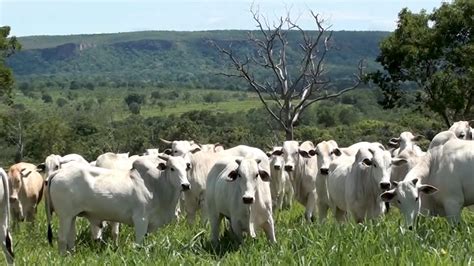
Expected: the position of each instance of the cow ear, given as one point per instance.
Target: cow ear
(269, 154)
(427, 189)
(196, 150)
(304, 154)
(392, 144)
(277, 152)
(161, 166)
(264, 175)
(367, 162)
(388, 196)
(40, 167)
(414, 181)
(238, 161)
(218, 147)
(337, 152)
(395, 141)
(394, 183)
(232, 176)
(399, 161)
(167, 152)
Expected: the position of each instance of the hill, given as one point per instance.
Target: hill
(166, 57)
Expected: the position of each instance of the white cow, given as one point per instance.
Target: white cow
(463, 129)
(406, 141)
(153, 152)
(194, 199)
(237, 188)
(201, 164)
(145, 197)
(302, 168)
(448, 167)
(54, 162)
(326, 152)
(355, 183)
(280, 183)
(117, 161)
(5, 237)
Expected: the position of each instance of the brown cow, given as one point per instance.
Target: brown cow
(26, 190)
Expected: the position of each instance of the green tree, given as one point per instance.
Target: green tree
(8, 46)
(435, 53)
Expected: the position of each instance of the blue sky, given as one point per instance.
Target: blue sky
(63, 17)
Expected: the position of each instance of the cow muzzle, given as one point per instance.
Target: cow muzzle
(247, 200)
(13, 198)
(289, 168)
(185, 187)
(277, 167)
(324, 171)
(385, 185)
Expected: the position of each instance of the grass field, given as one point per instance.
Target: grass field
(376, 243)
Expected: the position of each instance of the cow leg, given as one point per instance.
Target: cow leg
(71, 238)
(96, 229)
(452, 209)
(310, 206)
(237, 229)
(339, 214)
(63, 233)
(214, 222)
(322, 210)
(289, 196)
(141, 228)
(203, 205)
(115, 229)
(269, 229)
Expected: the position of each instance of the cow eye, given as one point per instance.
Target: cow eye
(175, 151)
(416, 199)
(398, 202)
(375, 165)
(256, 175)
(172, 169)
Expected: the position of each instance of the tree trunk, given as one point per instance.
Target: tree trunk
(289, 132)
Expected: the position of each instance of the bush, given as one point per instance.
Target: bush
(61, 102)
(46, 98)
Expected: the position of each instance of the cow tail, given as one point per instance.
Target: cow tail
(6, 210)
(49, 207)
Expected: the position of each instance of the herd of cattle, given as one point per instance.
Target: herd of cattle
(243, 184)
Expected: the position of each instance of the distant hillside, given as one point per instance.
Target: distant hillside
(165, 56)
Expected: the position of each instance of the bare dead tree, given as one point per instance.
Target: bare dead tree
(286, 96)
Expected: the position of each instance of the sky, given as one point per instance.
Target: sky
(64, 17)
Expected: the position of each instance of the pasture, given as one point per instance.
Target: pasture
(383, 241)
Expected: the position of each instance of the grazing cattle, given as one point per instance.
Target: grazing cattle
(448, 167)
(280, 183)
(463, 129)
(217, 147)
(237, 188)
(355, 183)
(5, 237)
(302, 168)
(406, 141)
(26, 191)
(145, 196)
(326, 151)
(54, 162)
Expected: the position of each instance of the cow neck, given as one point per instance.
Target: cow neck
(366, 187)
(164, 191)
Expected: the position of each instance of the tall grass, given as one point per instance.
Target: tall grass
(379, 242)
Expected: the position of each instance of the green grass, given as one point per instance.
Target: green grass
(375, 243)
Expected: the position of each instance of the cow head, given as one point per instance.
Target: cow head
(182, 148)
(463, 129)
(293, 152)
(406, 195)
(380, 163)
(246, 174)
(16, 176)
(52, 163)
(175, 169)
(277, 163)
(326, 151)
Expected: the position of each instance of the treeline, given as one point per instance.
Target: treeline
(34, 134)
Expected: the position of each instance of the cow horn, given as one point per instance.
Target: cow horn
(166, 141)
(164, 157)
